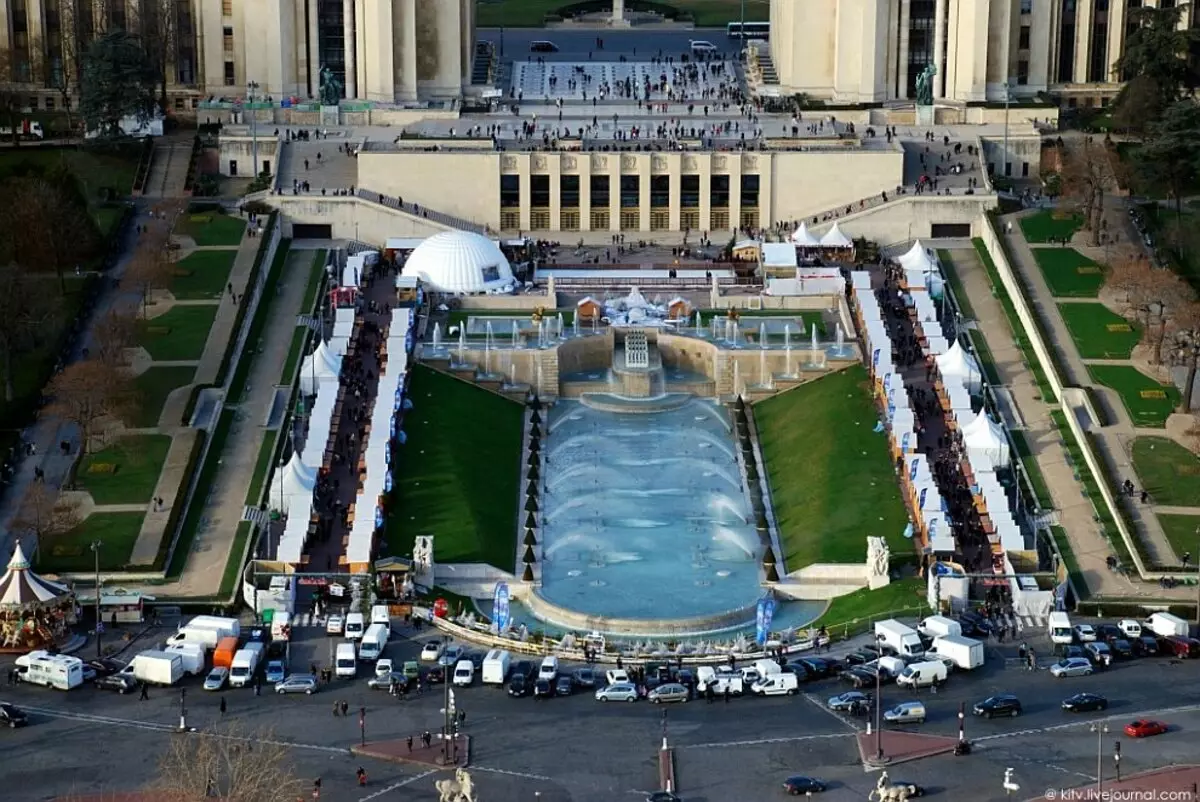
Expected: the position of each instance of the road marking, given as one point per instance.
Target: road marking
(763, 741)
(522, 774)
(401, 784)
(820, 706)
(1088, 722)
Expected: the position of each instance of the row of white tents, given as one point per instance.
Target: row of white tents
(833, 238)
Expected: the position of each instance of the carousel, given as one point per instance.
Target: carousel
(35, 613)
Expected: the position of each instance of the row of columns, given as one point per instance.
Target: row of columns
(381, 47)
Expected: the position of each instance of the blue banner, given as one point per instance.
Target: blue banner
(933, 522)
(908, 530)
(904, 441)
(500, 606)
(766, 611)
(875, 359)
(921, 500)
(912, 471)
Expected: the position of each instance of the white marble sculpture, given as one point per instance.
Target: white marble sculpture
(423, 559)
(460, 789)
(878, 558)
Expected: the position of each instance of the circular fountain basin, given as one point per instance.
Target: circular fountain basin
(570, 619)
(611, 402)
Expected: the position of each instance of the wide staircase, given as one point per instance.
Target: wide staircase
(766, 67)
(483, 69)
(168, 170)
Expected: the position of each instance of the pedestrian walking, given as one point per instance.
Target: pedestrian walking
(145, 692)
(224, 706)
(410, 743)
(362, 776)
(336, 708)
(257, 688)
(726, 693)
(345, 708)
(426, 738)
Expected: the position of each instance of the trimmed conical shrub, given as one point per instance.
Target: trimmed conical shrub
(527, 574)
(772, 573)
(530, 520)
(534, 472)
(769, 557)
(530, 538)
(531, 504)
(528, 558)
(535, 445)
(531, 489)
(535, 418)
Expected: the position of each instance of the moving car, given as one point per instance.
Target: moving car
(803, 785)
(1002, 704)
(621, 692)
(858, 676)
(906, 713)
(450, 656)
(121, 683)
(1085, 633)
(384, 666)
(701, 46)
(275, 671)
(1084, 703)
(384, 681)
(542, 46)
(334, 625)
(564, 685)
(298, 683)
(464, 673)
(1099, 654)
(12, 716)
(431, 651)
(412, 669)
(1072, 667)
(847, 700)
(670, 692)
(216, 679)
(1145, 728)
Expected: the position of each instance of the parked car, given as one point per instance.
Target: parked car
(121, 683)
(1084, 703)
(1121, 648)
(858, 676)
(12, 716)
(1002, 704)
(564, 685)
(803, 785)
(542, 689)
(105, 666)
(1072, 650)
(431, 651)
(621, 692)
(668, 692)
(616, 676)
(275, 671)
(845, 701)
(859, 657)
(1146, 646)
(1145, 728)
(298, 683)
(542, 46)
(702, 46)
(906, 713)
(1108, 633)
(1085, 633)
(1099, 653)
(1072, 667)
(816, 667)
(383, 682)
(412, 669)
(335, 625)
(585, 677)
(450, 656)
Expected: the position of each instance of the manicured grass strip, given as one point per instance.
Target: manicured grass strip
(809, 471)
(233, 566)
(1167, 470)
(1070, 561)
(154, 385)
(316, 281)
(1148, 403)
(1050, 226)
(204, 484)
(960, 294)
(1100, 333)
(202, 275)
(262, 466)
(1069, 273)
(295, 353)
(858, 611)
(1037, 481)
(208, 228)
(231, 347)
(458, 474)
(95, 171)
(1183, 533)
(126, 472)
(116, 531)
(265, 310)
(179, 334)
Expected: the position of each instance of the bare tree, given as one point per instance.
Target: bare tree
(155, 255)
(158, 24)
(113, 332)
(1150, 295)
(88, 394)
(25, 312)
(1087, 176)
(1184, 348)
(78, 28)
(47, 228)
(11, 94)
(231, 764)
(43, 515)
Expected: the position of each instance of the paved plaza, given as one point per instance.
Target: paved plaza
(696, 82)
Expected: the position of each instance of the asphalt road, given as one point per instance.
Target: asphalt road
(576, 45)
(578, 749)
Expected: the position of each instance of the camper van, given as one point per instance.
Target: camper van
(1059, 628)
(59, 671)
(373, 642)
(345, 662)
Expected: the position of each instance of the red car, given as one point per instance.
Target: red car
(1143, 728)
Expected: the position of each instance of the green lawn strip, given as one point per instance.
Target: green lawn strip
(262, 466)
(263, 313)
(295, 353)
(987, 363)
(1183, 533)
(207, 228)
(956, 286)
(1148, 402)
(1070, 561)
(1069, 273)
(1100, 333)
(458, 473)
(316, 280)
(195, 509)
(1050, 226)
(1037, 481)
(856, 612)
(810, 471)
(233, 565)
(239, 319)
(1167, 470)
(202, 275)
(532, 13)
(125, 472)
(178, 334)
(71, 551)
(154, 385)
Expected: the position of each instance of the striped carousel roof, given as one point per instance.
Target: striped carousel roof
(20, 586)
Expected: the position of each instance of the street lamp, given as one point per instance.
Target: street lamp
(1101, 730)
(96, 544)
(1007, 101)
(446, 735)
(251, 88)
(878, 704)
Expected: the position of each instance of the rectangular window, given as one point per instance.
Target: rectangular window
(226, 8)
(1022, 72)
(1066, 53)
(631, 194)
(720, 219)
(599, 216)
(568, 192)
(227, 40)
(598, 193)
(539, 219)
(749, 191)
(510, 192)
(510, 220)
(660, 192)
(718, 192)
(1023, 38)
(631, 220)
(660, 220)
(539, 192)
(1099, 68)
(689, 191)
(749, 218)
(1026, 6)
(230, 78)
(568, 219)
(689, 219)
(49, 103)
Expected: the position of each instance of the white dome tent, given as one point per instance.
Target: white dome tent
(293, 484)
(803, 239)
(956, 363)
(918, 258)
(834, 238)
(320, 366)
(984, 437)
(461, 262)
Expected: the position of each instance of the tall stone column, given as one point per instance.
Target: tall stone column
(36, 38)
(1040, 69)
(1083, 40)
(449, 43)
(408, 49)
(618, 15)
(643, 173)
(349, 42)
(905, 25)
(1116, 38)
(585, 193)
(939, 49)
(314, 50)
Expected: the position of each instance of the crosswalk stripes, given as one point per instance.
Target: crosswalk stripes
(308, 321)
(255, 515)
(308, 620)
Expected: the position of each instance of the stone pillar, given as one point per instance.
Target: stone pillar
(939, 50)
(554, 169)
(585, 193)
(363, 54)
(766, 205)
(704, 169)
(893, 49)
(1116, 38)
(36, 41)
(1083, 40)
(618, 14)
(349, 40)
(614, 192)
(643, 173)
(408, 50)
(523, 161)
(733, 163)
(905, 24)
(1040, 25)
(449, 42)
(314, 51)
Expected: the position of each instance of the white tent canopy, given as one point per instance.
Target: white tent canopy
(802, 238)
(834, 238)
(957, 363)
(321, 365)
(918, 258)
(984, 436)
(293, 486)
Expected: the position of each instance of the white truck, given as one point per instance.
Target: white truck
(938, 626)
(373, 642)
(206, 639)
(245, 663)
(156, 667)
(192, 654)
(495, 667)
(228, 627)
(922, 674)
(206, 630)
(965, 653)
(899, 638)
(1166, 625)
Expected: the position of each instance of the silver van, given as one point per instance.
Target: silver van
(906, 713)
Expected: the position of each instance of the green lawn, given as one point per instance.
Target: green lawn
(458, 475)
(126, 472)
(1050, 226)
(819, 445)
(195, 510)
(531, 13)
(212, 228)
(1038, 482)
(202, 275)
(262, 466)
(295, 353)
(116, 531)
(267, 309)
(179, 334)
(316, 276)
(154, 385)
(956, 287)
(1168, 470)
(1069, 273)
(107, 217)
(1147, 402)
(1100, 333)
(1183, 532)
(856, 612)
(95, 171)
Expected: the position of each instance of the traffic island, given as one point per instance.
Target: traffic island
(412, 750)
(901, 747)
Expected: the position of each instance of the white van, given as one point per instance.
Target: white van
(355, 626)
(345, 661)
(464, 673)
(380, 615)
(495, 667)
(549, 668)
(245, 664)
(777, 684)
(1059, 628)
(917, 675)
(59, 671)
(373, 642)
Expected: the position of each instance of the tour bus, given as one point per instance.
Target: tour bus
(58, 671)
(749, 30)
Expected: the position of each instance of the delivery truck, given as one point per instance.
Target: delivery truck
(1166, 625)
(495, 666)
(965, 653)
(1058, 628)
(196, 636)
(228, 627)
(373, 642)
(223, 654)
(245, 664)
(938, 626)
(156, 667)
(192, 654)
(899, 638)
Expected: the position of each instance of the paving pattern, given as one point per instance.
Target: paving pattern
(622, 80)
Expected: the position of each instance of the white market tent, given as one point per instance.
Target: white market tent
(984, 436)
(801, 238)
(936, 345)
(292, 486)
(295, 531)
(779, 254)
(322, 365)
(958, 363)
(834, 238)
(860, 280)
(918, 258)
(320, 422)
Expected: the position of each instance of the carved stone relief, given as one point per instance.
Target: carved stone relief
(628, 163)
(599, 162)
(658, 163)
(539, 162)
(749, 162)
(569, 162)
(689, 163)
(508, 162)
(719, 162)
